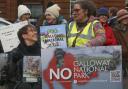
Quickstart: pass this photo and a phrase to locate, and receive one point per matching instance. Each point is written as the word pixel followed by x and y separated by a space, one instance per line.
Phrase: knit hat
pixel 102 11
pixel 53 10
pixel 22 9
pixel 122 14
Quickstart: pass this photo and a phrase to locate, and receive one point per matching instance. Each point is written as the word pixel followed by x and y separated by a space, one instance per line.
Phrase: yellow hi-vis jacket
pixel 86 35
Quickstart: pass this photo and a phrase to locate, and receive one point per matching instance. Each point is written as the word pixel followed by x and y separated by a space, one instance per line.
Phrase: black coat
pixel 15 64
pixel 16 59
pixel 23 50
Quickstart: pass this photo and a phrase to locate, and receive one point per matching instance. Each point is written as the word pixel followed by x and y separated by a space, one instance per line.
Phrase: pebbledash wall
pixel 8 8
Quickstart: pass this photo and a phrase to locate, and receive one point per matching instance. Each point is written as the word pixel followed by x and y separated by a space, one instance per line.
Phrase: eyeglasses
pixel 76 10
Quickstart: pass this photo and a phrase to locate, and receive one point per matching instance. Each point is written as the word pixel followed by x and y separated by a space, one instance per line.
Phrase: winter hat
pixel 22 9
pixel 102 11
pixel 53 10
pixel 122 14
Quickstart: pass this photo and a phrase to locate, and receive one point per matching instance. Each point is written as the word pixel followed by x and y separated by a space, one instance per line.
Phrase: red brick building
pixel 8 8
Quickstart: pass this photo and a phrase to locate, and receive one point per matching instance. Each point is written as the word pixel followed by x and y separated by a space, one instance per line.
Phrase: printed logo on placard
pixel 115 76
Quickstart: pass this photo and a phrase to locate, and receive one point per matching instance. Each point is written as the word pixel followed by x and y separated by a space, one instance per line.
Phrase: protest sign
pixel 31 68
pixel 8 35
pixel 82 68
pixel 53 36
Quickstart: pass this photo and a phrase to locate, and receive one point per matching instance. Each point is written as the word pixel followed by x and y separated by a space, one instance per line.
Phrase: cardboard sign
pixel 31 68
pixel 8 35
pixel 53 36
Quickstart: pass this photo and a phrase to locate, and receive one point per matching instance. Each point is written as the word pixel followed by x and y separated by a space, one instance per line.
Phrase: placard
pixel 31 68
pixel 53 36
pixel 8 35
pixel 82 68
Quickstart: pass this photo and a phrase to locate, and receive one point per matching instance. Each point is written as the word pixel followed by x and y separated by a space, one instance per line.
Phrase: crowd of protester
pixel 88 26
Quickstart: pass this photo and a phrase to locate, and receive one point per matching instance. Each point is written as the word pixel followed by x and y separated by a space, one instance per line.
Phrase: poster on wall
pixel 8 35
pixel 82 68
pixel 53 36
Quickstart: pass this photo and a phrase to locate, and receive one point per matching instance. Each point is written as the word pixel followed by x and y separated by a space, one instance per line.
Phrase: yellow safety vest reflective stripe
pixel 86 35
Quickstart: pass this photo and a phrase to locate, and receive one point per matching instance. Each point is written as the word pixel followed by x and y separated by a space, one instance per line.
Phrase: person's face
pixel 25 17
pixel 103 18
pixel 125 21
pixel 50 19
pixel 78 13
pixel 31 35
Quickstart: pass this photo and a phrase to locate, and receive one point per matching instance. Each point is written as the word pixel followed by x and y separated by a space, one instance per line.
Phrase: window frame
pixel 71 3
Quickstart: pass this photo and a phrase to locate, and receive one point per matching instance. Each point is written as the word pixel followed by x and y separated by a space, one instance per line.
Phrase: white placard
pixel 8 35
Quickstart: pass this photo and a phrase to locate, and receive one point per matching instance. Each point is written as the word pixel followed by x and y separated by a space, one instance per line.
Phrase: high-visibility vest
pixel 86 35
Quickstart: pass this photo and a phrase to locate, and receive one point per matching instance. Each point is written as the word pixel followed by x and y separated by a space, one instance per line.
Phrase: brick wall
pixel 8 9
pixel 110 3
pixel 65 7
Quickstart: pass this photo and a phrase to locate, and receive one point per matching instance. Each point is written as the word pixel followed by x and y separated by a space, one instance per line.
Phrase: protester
pixel 102 14
pixel 121 34
pixel 42 18
pixel 53 17
pixel 24 13
pixel 84 31
pixel 112 16
pixel 29 46
pixel 28 37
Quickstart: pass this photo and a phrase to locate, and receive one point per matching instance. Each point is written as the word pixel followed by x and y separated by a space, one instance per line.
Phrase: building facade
pixel 8 8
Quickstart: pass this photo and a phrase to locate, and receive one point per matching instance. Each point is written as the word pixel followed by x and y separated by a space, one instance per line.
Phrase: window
pixel 37 12
pixel 36 9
